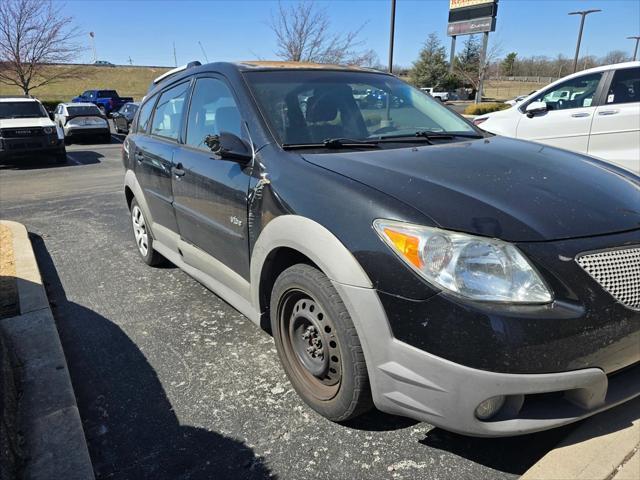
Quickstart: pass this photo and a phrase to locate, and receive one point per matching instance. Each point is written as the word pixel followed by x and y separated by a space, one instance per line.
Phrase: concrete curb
pixel 596 449
pixel 55 446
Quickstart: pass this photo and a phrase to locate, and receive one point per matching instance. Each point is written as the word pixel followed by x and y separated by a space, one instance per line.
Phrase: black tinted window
pixel 625 87
pixel 107 94
pixel 83 110
pixel 213 110
pixel 21 110
pixel 145 116
pixel 168 113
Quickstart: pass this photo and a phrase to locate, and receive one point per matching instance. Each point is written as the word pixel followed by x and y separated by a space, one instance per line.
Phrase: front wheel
pixel 61 156
pixel 318 345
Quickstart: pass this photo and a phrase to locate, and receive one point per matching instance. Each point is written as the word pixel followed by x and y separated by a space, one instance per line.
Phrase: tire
pixel 106 138
pixel 61 157
pixel 318 345
pixel 142 236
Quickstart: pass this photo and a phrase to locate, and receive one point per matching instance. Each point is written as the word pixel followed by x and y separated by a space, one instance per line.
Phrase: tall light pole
pixel 583 14
pixel 393 26
pixel 635 50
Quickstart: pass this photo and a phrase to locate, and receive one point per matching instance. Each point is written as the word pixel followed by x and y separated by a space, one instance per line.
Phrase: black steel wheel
pixel 318 345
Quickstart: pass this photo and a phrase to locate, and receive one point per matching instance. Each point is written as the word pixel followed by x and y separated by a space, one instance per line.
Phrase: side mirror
pixel 536 107
pixel 229 146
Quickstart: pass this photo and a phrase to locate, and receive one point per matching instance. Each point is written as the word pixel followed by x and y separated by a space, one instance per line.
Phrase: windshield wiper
pixel 425 136
pixel 334 143
pixel 432 134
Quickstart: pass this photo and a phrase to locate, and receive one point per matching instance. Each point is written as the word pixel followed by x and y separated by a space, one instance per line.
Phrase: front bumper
pixel 411 382
pixel 20 146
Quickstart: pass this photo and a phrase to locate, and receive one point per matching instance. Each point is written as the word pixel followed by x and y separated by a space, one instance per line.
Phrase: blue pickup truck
pixel 106 100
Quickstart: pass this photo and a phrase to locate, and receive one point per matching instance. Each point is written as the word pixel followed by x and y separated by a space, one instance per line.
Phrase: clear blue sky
pixel 238 30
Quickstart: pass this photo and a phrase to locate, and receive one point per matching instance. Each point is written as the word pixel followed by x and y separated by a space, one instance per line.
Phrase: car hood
pixel 500 187
pixel 26 122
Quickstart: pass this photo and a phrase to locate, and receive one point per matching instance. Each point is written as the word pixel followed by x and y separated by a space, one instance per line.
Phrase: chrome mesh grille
pixel 618 272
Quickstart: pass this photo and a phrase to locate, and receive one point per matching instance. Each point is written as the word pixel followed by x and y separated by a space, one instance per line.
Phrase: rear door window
pixel 167 117
pixel 145 116
pixel 625 87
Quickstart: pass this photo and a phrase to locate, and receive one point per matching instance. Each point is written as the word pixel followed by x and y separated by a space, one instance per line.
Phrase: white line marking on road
pixel 73 160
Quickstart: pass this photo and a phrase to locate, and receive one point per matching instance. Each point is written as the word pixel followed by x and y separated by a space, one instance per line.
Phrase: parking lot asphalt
pixel 173 383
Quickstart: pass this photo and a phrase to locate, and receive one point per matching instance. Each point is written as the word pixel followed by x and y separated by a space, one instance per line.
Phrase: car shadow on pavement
pixel 131 428
pixel 37 162
pixel 509 454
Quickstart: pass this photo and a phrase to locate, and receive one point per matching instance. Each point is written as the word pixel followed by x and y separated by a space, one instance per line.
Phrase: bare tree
pixel 34 35
pixel 303 33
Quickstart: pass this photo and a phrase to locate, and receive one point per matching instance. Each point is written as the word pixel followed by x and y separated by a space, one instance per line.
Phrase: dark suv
pixel 399 256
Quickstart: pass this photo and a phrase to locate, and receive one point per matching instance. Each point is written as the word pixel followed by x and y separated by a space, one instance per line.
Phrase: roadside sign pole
pixel 393 25
pixel 583 15
pixel 635 50
pixel 483 60
pixel 452 55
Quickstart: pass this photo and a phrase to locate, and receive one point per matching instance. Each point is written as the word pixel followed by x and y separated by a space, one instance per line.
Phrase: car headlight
pixel 47 130
pixel 472 267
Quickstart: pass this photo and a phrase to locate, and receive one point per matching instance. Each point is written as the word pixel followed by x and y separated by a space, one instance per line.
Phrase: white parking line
pixel 73 160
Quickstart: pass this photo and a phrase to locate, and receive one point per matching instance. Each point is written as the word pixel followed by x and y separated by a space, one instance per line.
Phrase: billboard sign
pixel 469 27
pixel 453 4
pixel 467 17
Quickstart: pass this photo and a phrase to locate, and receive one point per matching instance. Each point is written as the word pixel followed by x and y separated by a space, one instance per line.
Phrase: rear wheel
pixel 318 345
pixel 143 237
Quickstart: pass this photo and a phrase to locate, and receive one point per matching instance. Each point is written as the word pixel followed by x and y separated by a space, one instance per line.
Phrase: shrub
pixel 482 108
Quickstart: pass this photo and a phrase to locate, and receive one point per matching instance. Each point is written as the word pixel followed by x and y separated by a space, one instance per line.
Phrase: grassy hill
pixel 128 81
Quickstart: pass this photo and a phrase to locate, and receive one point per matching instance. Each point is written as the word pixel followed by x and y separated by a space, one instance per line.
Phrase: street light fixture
pixel 635 51
pixel 583 14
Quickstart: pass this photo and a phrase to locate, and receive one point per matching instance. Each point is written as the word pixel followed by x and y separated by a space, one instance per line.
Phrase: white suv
pixel 596 111
pixel 81 120
pixel 26 129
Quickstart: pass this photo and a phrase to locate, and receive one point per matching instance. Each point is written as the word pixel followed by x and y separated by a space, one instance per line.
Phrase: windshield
pixel 311 106
pixel 88 110
pixel 22 110
pixel 107 94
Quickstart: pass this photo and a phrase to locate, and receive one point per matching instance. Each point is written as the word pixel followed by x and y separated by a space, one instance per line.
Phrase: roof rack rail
pixel 173 71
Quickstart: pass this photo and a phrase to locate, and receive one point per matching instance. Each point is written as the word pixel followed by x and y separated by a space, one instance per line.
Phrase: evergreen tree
pixel 508 64
pixel 431 67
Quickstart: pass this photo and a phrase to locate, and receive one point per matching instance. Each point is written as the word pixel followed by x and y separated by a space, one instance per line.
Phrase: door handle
pixel 608 112
pixel 580 115
pixel 178 171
